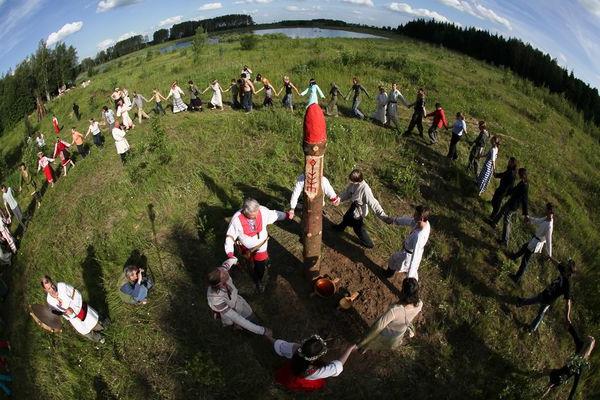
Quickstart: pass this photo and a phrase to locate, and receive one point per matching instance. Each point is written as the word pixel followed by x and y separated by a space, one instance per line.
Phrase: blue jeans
pixel 247 101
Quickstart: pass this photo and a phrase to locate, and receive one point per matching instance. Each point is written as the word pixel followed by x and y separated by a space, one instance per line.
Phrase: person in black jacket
pixel 519 196
pixel 561 286
pixel 575 365
pixel 507 181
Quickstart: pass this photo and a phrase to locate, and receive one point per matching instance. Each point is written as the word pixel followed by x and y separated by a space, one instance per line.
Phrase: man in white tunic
pixel 542 239
pixel 361 196
pixel 67 301
pixel 121 142
pixel 226 303
pixel 328 190
pixel 409 258
pixel 248 232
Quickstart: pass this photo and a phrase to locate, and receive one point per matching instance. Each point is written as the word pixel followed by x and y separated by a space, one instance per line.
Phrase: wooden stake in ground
pixel 315 141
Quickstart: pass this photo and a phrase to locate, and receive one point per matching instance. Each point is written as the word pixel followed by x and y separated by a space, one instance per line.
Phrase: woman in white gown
pixel 382 101
pixel 217 99
pixel 123 112
pixel 178 104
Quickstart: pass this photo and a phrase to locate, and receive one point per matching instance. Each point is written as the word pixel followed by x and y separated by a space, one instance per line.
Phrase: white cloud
pixel 417 12
pixel 105 44
pixel 492 16
pixel 66 30
pixel 477 10
pixel 106 5
pixel 12 28
pixel 368 3
pixel 210 6
pixel 356 12
pixel 170 21
pixel 303 9
pixel 253 1
pixel 126 35
pixel 592 6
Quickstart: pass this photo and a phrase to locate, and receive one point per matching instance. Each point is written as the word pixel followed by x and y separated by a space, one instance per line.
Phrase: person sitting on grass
pixel 575 366
pixel 306 371
pixel 136 286
pixel 561 286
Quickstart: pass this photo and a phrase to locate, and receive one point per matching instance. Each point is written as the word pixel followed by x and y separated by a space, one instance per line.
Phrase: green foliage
pixel 91 71
pixel 195 169
pixel 248 42
pixel 199 42
pixel 401 178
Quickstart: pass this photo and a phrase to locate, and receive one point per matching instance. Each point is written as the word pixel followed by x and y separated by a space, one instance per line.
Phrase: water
pixel 184 44
pixel 296 33
pixel 312 33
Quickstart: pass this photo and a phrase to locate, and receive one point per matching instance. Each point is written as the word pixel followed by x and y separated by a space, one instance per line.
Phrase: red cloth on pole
pixel 315 130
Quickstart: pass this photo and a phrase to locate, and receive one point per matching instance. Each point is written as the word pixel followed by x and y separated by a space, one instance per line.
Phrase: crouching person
pixel 227 304
pixel 65 300
pixel 135 285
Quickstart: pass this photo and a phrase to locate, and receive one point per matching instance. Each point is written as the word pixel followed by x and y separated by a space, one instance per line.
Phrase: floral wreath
pixel 316 357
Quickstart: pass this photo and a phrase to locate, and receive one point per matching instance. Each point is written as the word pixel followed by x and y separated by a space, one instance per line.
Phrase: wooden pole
pixel 314 145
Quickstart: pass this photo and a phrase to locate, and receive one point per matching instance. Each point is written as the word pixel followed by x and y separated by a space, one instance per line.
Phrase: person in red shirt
pixel 439 121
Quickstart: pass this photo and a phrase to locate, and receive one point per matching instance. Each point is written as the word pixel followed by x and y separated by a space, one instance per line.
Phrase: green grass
pixel 469 345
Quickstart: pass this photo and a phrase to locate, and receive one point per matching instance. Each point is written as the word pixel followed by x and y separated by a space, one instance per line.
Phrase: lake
pixel 312 33
pixel 296 33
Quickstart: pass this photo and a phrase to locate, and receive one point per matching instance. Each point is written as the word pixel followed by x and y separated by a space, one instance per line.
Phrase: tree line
pixel 177 31
pixel 521 58
pixel 37 78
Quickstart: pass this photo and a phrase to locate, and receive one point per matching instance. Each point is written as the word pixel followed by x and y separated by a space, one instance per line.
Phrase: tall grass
pixel 195 168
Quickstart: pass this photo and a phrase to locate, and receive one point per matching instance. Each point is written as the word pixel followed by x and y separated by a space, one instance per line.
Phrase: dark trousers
pixel 496 203
pixel 433 133
pixel 247 101
pixel 525 255
pixel 416 120
pixel 452 153
pixel 358 225
pixel 258 270
pixel 506 214
pixel 124 157
pixel 81 150
pixel 473 164
pixel 97 140
pixel 544 307
pixel 158 108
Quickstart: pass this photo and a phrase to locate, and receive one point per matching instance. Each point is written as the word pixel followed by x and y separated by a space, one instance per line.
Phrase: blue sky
pixel 569 30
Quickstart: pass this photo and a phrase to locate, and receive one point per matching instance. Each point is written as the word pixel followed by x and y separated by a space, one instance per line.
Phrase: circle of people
pixel 247 236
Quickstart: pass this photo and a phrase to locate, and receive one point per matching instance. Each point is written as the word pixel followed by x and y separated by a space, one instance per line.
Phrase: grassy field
pixel 470 343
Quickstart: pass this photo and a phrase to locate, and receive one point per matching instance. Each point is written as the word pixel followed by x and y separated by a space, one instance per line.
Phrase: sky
pixel 569 30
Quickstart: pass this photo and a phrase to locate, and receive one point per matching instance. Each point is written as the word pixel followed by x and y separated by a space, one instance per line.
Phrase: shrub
pixel 248 42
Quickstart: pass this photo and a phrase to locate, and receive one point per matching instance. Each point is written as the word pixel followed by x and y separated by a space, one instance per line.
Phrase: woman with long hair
pixel 306 371
pixel 288 97
pixel 489 167
pixel 387 333
pixel 217 98
pixel 176 92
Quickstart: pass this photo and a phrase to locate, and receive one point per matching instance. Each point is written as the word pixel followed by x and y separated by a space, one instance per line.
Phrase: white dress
pixel 120 142
pixel 409 258
pixel 69 297
pixel 123 112
pixel 178 104
pixel 217 99
pixel 380 113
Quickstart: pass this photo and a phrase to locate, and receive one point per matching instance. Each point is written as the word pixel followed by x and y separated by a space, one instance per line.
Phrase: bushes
pixel 248 42
pixel 149 155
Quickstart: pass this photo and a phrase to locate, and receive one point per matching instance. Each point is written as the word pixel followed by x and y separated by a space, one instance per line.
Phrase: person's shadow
pixel 93 278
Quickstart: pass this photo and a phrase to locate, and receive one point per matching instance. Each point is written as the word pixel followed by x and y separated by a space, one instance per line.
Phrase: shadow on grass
pixel 102 390
pixel 92 278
